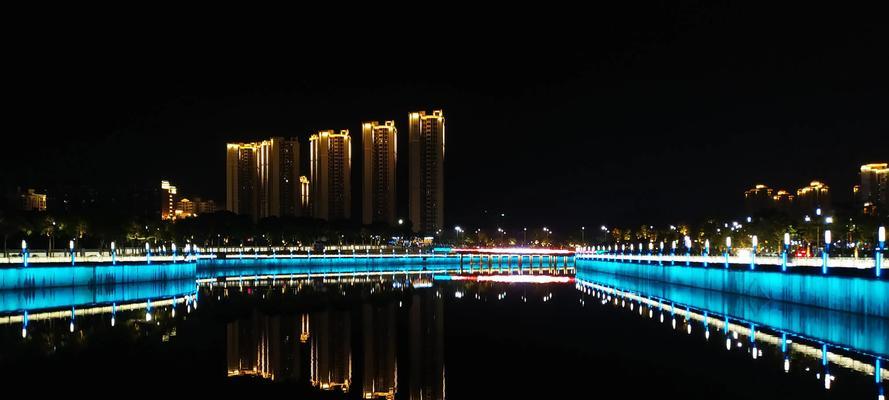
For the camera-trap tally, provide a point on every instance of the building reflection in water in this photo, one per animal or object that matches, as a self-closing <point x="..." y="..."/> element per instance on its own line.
<point x="316" y="348"/>
<point x="264" y="346"/>
<point x="427" y="372"/>
<point x="379" y="338"/>
<point x="331" y="360"/>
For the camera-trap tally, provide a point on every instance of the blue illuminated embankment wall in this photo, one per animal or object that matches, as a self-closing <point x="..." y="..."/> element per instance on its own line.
<point x="857" y="331"/>
<point x="53" y="276"/>
<point x="840" y="293"/>
<point x="76" y="296"/>
<point x="323" y="265"/>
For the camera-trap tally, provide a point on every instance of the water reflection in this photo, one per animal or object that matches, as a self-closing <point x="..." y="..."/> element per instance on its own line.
<point x="395" y="323"/>
<point x="810" y="355"/>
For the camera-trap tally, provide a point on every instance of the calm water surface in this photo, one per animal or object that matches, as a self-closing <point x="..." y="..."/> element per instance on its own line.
<point x="378" y="338"/>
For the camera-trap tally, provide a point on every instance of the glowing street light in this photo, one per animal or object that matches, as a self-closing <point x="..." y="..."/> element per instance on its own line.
<point x="825" y="251"/>
<point x="786" y="250"/>
<point x="881" y="237"/>
<point x="24" y="253"/>
<point x="687" y="251"/>
<point x="728" y="249"/>
<point x="147" y="253"/>
<point x="71" y="250"/>
<point x="113" y="254"/>
<point x="755" y="242"/>
<point x="706" y="252"/>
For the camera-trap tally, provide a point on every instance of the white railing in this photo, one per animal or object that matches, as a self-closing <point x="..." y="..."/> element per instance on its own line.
<point x="833" y="262"/>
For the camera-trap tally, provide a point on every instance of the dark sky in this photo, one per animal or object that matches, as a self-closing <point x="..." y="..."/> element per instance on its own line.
<point x="621" y="116"/>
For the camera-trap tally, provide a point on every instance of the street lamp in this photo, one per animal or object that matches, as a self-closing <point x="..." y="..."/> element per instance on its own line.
<point x="786" y="250"/>
<point x="147" y="253"/>
<point x="706" y="252"/>
<point x="755" y="241"/>
<point x="173" y="249"/>
<point x="687" y="251"/>
<point x="71" y="250"/>
<point x="24" y="253"/>
<point x="728" y="249"/>
<point x="673" y="253"/>
<point x="881" y="237"/>
<point x="825" y="252"/>
<point x="582" y="237"/>
<point x="113" y="254"/>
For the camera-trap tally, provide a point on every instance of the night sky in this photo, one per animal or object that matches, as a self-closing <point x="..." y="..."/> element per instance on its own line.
<point x="625" y="116"/>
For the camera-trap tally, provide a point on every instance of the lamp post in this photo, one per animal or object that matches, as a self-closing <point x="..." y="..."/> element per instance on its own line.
<point x="755" y="242"/>
<point x="881" y="237"/>
<point x="582" y="236"/>
<point x="147" y="253"/>
<point x="173" y="248"/>
<point x="673" y="253"/>
<point x="728" y="249"/>
<point x="661" y="258"/>
<point x="113" y="254"/>
<point x="825" y="251"/>
<point x="71" y="250"/>
<point x="706" y="252"/>
<point x="650" y="251"/>
<point x="687" y="251"/>
<point x="786" y="250"/>
<point x="24" y="253"/>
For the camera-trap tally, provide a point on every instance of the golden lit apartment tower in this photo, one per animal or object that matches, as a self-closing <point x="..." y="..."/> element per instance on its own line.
<point x="168" y="201"/>
<point x="262" y="178"/>
<point x="813" y="197"/>
<point x="380" y="154"/>
<point x="757" y="199"/>
<point x="427" y="152"/>
<point x="330" y="169"/>
<point x="33" y="201"/>
<point x="874" y="190"/>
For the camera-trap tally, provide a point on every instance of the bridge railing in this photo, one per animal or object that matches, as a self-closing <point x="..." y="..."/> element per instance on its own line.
<point x="833" y="262"/>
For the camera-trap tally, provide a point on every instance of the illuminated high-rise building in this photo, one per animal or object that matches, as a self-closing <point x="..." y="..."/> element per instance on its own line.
<point x="262" y="178"/>
<point x="380" y="153"/>
<point x="757" y="199"/>
<point x="427" y="152"/>
<point x="330" y="170"/>
<point x="813" y="197"/>
<point x="783" y="201"/>
<point x="168" y="201"/>
<point x="33" y="201"/>
<point x="874" y="190"/>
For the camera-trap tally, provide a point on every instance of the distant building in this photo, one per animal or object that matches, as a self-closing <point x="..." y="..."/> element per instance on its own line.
<point x="330" y="170"/>
<point x="262" y="178"/>
<point x="784" y="201"/>
<point x="812" y="197"/>
<point x="427" y="152"/>
<point x="192" y="208"/>
<point x="33" y="201"/>
<point x="874" y="190"/>
<point x="380" y="154"/>
<point x="757" y="199"/>
<point x="168" y="201"/>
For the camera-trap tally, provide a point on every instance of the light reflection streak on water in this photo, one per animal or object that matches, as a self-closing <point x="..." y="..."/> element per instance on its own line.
<point x="863" y="364"/>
